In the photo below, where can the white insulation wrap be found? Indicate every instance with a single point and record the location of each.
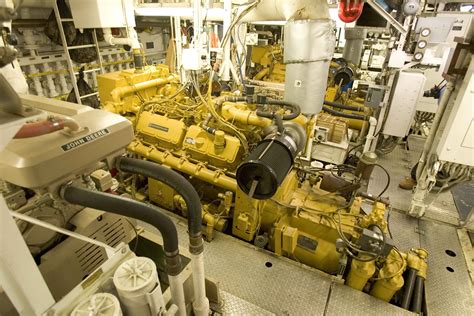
(309, 47)
(284, 10)
(103, 304)
(138, 287)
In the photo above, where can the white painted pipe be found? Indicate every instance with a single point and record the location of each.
(177, 294)
(370, 134)
(201, 302)
(61, 230)
(70, 123)
(131, 41)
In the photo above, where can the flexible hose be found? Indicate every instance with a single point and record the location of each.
(346, 115)
(130, 208)
(295, 108)
(179, 184)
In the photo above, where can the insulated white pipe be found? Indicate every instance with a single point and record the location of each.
(177, 294)
(284, 10)
(201, 302)
(370, 134)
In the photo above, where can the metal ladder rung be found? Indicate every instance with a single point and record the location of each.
(88, 70)
(67, 20)
(89, 95)
(81, 46)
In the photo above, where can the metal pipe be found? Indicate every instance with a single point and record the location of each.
(199, 171)
(121, 92)
(409, 287)
(418, 295)
(61, 230)
(231, 113)
(141, 211)
(434, 127)
(370, 134)
(48, 126)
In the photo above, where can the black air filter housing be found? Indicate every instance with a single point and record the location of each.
(268, 163)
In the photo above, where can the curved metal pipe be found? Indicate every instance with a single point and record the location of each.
(121, 92)
(46, 127)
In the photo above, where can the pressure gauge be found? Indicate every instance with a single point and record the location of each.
(425, 32)
(421, 44)
(418, 56)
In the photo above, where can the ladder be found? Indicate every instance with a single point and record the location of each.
(72, 73)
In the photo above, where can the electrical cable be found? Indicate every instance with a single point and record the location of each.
(388, 179)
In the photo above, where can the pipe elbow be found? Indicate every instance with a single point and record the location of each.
(372, 121)
(70, 123)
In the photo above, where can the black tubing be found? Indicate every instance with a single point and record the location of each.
(346, 115)
(179, 184)
(409, 287)
(343, 106)
(417, 302)
(295, 108)
(131, 208)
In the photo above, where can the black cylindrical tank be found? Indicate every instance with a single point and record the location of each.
(268, 164)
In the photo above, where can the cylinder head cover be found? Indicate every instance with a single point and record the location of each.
(267, 166)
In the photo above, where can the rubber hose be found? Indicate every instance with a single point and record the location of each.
(409, 287)
(126, 207)
(346, 115)
(295, 108)
(173, 180)
(343, 107)
(418, 295)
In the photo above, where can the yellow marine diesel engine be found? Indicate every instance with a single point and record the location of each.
(249, 159)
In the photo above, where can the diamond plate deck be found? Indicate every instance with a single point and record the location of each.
(232, 305)
(405, 230)
(399, 163)
(346, 301)
(447, 293)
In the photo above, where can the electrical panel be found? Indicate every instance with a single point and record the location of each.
(457, 141)
(407, 91)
